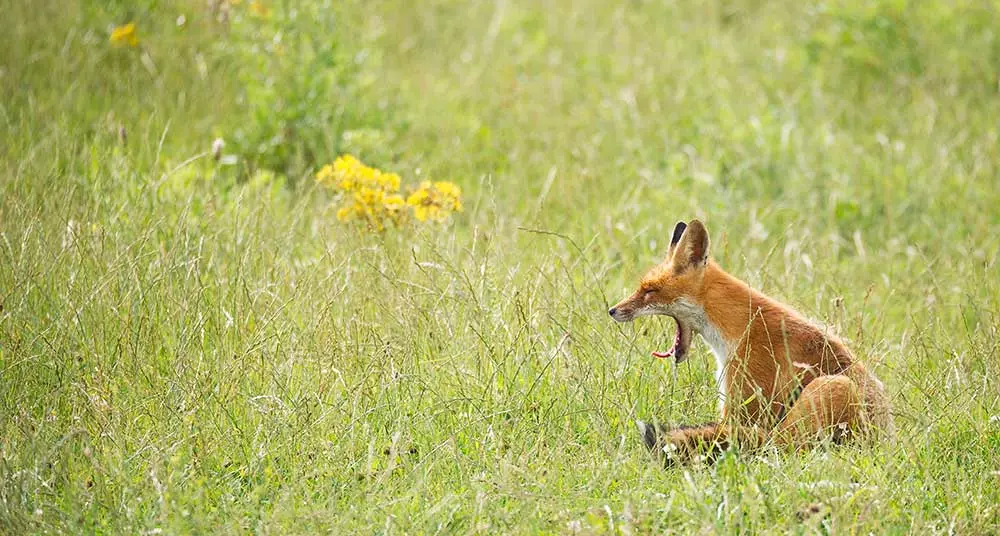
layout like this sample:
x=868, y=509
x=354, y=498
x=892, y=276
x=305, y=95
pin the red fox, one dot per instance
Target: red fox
x=780, y=378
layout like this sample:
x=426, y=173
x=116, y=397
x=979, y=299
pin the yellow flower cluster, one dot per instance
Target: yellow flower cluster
x=435, y=201
x=124, y=35
x=374, y=197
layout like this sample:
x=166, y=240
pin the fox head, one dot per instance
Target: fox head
x=673, y=287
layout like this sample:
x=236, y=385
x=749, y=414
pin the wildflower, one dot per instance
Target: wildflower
x=395, y=207
x=258, y=9
x=369, y=196
x=325, y=176
x=389, y=181
x=435, y=201
x=345, y=213
x=372, y=196
x=346, y=163
x=217, y=146
x=124, y=35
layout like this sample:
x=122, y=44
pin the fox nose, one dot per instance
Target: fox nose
x=612, y=311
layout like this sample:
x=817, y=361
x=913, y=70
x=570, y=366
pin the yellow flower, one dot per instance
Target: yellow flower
x=448, y=189
x=345, y=213
x=325, y=175
x=124, y=35
x=395, y=206
x=429, y=212
x=346, y=164
x=394, y=202
x=451, y=195
x=366, y=175
x=419, y=196
x=390, y=181
x=435, y=201
x=258, y=9
x=371, y=195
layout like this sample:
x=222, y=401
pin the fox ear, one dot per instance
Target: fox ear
x=675, y=238
x=691, y=250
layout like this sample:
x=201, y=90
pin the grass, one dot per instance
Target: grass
x=192, y=347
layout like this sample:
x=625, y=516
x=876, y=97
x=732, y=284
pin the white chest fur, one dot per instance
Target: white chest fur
x=720, y=348
x=695, y=316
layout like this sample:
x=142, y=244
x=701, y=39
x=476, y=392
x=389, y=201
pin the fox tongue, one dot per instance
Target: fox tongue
x=682, y=342
x=670, y=352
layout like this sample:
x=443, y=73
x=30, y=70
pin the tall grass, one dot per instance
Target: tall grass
x=188, y=346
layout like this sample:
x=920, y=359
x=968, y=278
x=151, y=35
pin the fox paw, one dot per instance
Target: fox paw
x=660, y=444
x=647, y=431
x=682, y=444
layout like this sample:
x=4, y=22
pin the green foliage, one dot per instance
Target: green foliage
x=302, y=90
x=871, y=37
x=901, y=39
x=191, y=346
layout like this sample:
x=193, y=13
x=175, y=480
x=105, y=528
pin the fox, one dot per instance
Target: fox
x=782, y=380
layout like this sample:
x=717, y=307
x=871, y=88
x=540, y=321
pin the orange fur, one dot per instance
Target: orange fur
x=783, y=375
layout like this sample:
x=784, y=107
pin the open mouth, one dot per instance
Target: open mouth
x=682, y=342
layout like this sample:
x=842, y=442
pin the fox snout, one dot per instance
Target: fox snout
x=621, y=314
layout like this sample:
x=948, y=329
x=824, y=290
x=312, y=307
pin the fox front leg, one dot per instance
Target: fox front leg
x=685, y=444
x=698, y=443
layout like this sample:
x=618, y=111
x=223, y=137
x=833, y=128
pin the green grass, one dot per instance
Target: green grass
x=199, y=348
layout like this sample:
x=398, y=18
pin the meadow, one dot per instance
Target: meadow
x=192, y=341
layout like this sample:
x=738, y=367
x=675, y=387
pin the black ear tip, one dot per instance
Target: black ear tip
x=678, y=232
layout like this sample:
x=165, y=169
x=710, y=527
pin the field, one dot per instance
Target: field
x=191, y=341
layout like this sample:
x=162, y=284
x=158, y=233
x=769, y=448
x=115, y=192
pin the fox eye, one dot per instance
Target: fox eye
x=647, y=292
